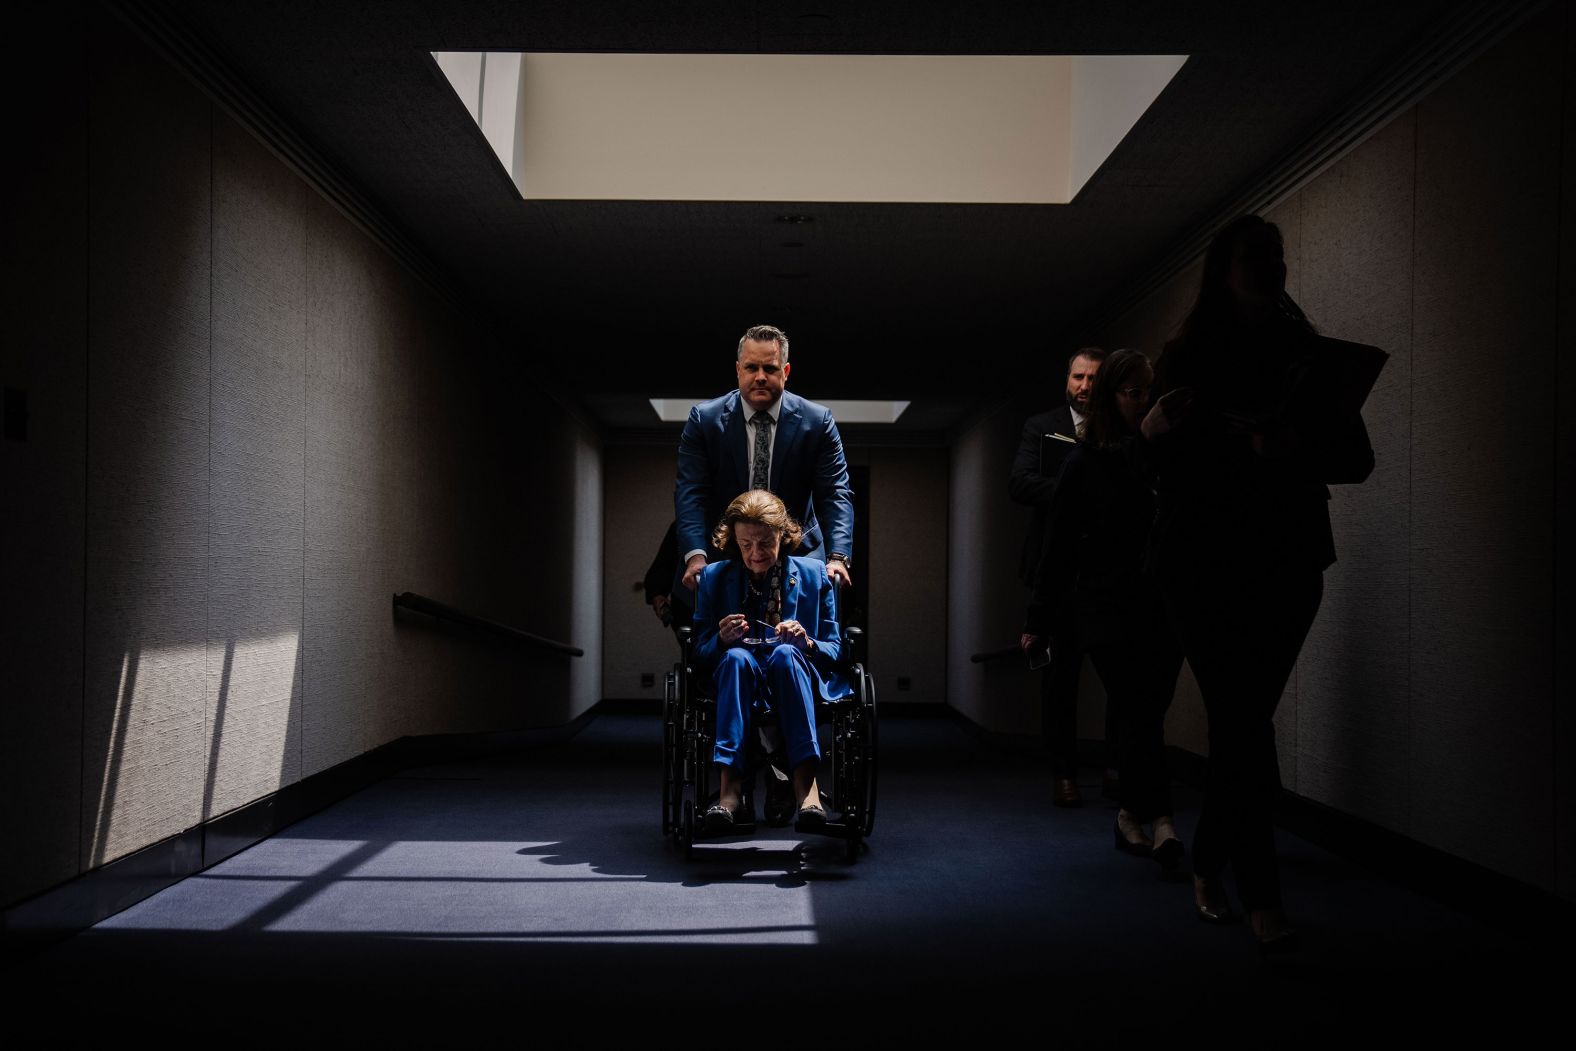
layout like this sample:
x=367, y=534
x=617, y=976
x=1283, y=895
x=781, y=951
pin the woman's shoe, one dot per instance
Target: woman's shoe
x=810, y=816
x=1275, y=933
x=1168, y=848
x=1210, y=901
x=719, y=819
x=1130, y=837
x=1066, y=794
x=1168, y=853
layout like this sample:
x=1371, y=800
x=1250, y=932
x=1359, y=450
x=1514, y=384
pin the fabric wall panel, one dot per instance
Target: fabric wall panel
x=257, y=473
x=908, y=592
x=1353, y=680
x=341, y=491
x=1483, y=350
x=637, y=506
x=398, y=343
x=985, y=599
x=147, y=481
x=425, y=545
x=585, y=615
x=44, y=226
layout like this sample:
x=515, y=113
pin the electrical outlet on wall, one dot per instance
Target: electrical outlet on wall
x=647, y=680
x=904, y=683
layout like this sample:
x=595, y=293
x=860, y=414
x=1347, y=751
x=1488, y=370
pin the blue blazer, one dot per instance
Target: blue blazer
x=808, y=597
x=808, y=473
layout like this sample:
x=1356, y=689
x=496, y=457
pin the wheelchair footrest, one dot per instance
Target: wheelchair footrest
x=740, y=827
x=832, y=829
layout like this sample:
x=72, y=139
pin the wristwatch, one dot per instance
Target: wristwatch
x=837, y=556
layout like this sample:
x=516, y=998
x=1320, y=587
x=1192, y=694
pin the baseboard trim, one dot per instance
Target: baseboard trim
x=1426, y=870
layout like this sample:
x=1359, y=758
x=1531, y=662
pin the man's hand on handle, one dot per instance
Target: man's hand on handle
x=692, y=570
x=837, y=573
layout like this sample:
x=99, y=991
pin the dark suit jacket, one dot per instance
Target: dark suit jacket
x=1033, y=483
x=665, y=568
x=808, y=473
x=808, y=597
x=1225, y=509
x=1095, y=542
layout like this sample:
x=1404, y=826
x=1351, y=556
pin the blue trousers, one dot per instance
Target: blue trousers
x=784, y=682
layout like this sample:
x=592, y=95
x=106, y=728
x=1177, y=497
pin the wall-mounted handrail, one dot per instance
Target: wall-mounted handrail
x=991, y=655
x=422, y=604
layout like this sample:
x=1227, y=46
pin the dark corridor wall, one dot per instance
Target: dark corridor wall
x=1429, y=695
x=246, y=426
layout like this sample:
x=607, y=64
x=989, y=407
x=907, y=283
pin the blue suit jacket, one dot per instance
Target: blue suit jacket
x=808, y=473
x=808, y=597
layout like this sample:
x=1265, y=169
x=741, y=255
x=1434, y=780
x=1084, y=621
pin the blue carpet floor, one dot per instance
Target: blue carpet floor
x=533, y=893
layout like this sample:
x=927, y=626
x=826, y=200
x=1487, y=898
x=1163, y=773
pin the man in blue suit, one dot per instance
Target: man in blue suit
x=762, y=437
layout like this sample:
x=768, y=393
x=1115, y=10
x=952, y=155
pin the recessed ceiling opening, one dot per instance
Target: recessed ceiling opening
x=965, y=129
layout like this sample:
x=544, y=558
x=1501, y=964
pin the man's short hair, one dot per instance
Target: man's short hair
x=764, y=334
x=1092, y=353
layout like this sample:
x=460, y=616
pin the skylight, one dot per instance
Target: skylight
x=987, y=129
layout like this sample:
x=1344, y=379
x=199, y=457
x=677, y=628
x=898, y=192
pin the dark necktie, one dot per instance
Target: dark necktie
x=761, y=471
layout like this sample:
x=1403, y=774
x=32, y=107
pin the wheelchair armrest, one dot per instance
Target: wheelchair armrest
x=686, y=633
x=855, y=645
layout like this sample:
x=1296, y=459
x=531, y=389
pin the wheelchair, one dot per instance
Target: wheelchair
x=689, y=776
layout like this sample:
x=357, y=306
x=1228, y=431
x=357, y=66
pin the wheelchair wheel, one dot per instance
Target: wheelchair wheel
x=872, y=753
x=670, y=745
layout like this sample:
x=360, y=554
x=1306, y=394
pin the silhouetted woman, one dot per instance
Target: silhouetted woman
x=1242, y=539
x=1092, y=566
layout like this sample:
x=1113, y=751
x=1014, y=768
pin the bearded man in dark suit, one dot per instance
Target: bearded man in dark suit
x=1044, y=443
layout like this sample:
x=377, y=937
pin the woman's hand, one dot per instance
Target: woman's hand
x=1167, y=413
x=731, y=629
x=793, y=632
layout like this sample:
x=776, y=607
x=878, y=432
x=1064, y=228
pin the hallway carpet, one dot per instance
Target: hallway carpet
x=532, y=893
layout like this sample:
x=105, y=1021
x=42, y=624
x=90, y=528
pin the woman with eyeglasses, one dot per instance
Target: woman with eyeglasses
x=1242, y=539
x=767, y=633
x=1092, y=566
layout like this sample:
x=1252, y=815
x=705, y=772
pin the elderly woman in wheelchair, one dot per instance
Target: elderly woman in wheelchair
x=766, y=634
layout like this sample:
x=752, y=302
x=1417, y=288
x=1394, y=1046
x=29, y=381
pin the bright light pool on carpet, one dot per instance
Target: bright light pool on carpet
x=483, y=890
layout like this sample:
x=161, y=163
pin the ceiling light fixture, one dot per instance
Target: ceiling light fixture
x=676, y=410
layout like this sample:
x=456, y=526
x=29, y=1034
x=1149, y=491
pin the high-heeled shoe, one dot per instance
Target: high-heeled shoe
x=1167, y=851
x=1210, y=901
x=1130, y=838
x=1274, y=931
